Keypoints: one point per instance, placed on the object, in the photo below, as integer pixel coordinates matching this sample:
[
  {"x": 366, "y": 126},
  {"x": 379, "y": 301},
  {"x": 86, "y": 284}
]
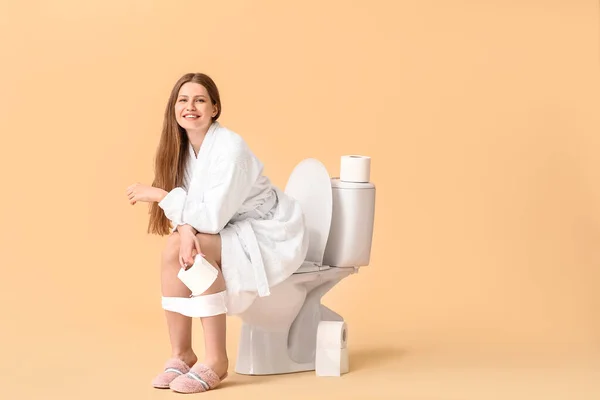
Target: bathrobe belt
[
  {"x": 247, "y": 234},
  {"x": 249, "y": 237}
]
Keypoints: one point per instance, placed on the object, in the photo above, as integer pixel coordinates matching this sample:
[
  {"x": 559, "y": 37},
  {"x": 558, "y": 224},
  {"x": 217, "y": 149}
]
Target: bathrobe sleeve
[
  {"x": 231, "y": 179},
  {"x": 172, "y": 204}
]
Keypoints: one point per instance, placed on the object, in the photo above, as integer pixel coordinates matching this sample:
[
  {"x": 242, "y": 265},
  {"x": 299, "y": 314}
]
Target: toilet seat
[
  {"x": 310, "y": 185},
  {"x": 309, "y": 266}
]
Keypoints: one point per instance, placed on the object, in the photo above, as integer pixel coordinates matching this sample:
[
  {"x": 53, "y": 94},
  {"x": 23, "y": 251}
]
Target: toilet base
[
  {"x": 291, "y": 348},
  {"x": 268, "y": 360}
]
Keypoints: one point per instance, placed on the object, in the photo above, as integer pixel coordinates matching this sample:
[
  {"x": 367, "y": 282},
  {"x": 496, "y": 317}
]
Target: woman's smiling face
[{"x": 194, "y": 108}]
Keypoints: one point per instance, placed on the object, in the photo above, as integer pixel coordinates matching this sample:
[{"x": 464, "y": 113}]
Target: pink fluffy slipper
[
  {"x": 174, "y": 367},
  {"x": 197, "y": 381}
]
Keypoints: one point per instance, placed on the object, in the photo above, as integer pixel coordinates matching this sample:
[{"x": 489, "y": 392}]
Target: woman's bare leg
[
  {"x": 180, "y": 326},
  {"x": 215, "y": 351}
]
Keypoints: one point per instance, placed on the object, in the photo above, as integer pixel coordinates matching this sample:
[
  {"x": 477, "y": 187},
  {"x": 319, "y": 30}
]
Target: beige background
[{"x": 482, "y": 121}]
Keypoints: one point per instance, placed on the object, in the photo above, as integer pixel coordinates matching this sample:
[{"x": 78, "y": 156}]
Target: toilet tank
[{"x": 351, "y": 232}]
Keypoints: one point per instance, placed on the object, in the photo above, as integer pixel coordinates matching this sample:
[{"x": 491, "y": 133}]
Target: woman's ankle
[
  {"x": 219, "y": 364},
  {"x": 188, "y": 357}
]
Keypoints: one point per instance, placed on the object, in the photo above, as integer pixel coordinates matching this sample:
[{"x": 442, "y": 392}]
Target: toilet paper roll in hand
[
  {"x": 355, "y": 168},
  {"x": 199, "y": 277},
  {"x": 331, "y": 358}
]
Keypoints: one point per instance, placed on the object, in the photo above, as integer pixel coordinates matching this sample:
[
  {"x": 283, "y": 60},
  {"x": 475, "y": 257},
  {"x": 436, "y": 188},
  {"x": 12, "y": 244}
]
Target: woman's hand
[
  {"x": 138, "y": 192},
  {"x": 189, "y": 246}
]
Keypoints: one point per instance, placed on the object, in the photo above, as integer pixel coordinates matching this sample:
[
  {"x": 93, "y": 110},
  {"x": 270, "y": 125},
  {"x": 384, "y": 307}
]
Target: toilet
[{"x": 279, "y": 332}]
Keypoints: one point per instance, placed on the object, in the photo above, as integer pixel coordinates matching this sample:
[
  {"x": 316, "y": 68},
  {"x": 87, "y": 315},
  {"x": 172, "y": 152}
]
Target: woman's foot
[
  {"x": 202, "y": 377},
  {"x": 218, "y": 366},
  {"x": 177, "y": 365}
]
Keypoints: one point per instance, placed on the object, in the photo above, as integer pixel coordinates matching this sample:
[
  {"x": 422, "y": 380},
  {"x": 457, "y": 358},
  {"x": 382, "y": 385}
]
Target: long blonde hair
[{"x": 169, "y": 163}]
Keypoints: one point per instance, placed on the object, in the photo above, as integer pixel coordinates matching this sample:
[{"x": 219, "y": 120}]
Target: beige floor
[{"x": 91, "y": 359}]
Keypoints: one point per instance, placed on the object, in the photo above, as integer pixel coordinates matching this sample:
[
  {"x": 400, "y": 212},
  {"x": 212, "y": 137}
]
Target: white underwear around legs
[{"x": 197, "y": 306}]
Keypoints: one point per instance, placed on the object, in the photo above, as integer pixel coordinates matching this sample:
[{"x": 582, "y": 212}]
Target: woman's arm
[
  {"x": 138, "y": 192},
  {"x": 232, "y": 179},
  {"x": 172, "y": 204},
  {"x": 161, "y": 194}
]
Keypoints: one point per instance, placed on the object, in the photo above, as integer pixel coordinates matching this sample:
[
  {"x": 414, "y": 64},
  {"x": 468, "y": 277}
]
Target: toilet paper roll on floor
[
  {"x": 355, "y": 168},
  {"x": 331, "y": 358}
]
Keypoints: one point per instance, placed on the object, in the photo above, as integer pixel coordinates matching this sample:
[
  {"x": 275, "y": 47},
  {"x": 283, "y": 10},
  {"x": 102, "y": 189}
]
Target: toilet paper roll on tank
[{"x": 355, "y": 168}]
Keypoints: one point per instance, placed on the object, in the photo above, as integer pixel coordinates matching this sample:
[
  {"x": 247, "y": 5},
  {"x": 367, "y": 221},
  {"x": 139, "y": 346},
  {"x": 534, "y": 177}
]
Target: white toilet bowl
[{"x": 279, "y": 332}]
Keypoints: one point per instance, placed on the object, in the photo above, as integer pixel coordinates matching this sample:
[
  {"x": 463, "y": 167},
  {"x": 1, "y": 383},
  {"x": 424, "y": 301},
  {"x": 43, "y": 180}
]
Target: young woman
[{"x": 209, "y": 186}]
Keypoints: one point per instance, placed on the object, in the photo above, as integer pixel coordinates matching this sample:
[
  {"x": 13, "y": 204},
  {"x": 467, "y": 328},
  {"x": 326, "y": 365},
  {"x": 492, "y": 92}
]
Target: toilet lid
[{"x": 310, "y": 184}]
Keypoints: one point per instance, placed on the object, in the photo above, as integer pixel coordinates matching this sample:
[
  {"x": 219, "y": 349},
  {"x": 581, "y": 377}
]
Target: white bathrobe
[{"x": 263, "y": 236}]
